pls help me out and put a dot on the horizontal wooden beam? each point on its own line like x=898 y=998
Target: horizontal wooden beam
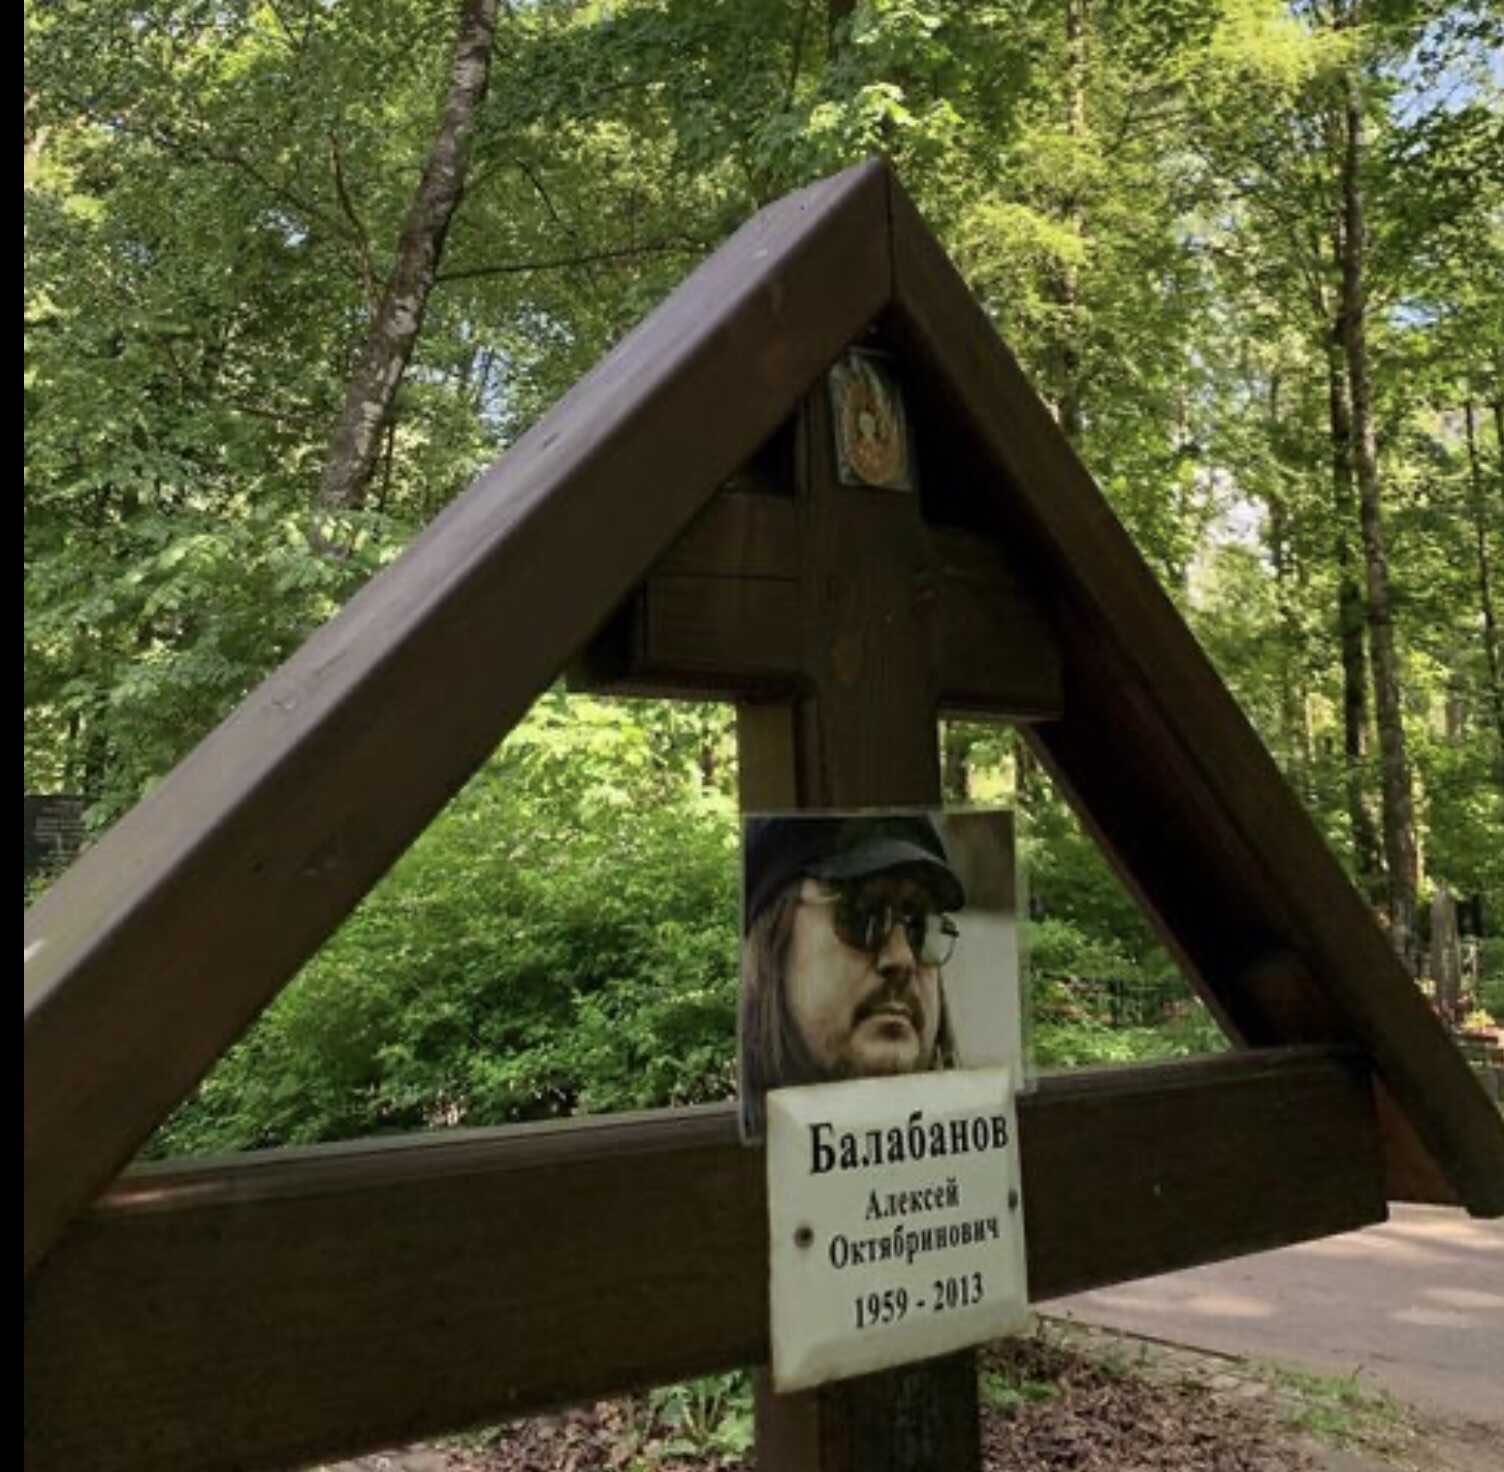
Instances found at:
x=720 y=614
x=299 y=1304
x=739 y=534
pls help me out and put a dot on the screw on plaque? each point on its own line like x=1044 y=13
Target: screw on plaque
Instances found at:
x=803 y=1237
x=1013 y=1200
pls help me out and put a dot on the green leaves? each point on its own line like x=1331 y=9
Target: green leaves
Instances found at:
x=564 y=938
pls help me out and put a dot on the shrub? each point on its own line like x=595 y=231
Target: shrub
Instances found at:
x=562 y=939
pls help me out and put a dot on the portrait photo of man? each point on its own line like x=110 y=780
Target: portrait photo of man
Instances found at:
x=849 y=922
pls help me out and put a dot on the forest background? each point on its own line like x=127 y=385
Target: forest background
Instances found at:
x=296 y=270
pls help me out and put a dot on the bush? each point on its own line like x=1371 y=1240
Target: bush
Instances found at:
x=562 y=939
x=1061 y=950
x=1091 y=1044
x=1092 y=1004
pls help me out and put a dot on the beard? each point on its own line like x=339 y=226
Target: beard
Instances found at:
x=886 y=1037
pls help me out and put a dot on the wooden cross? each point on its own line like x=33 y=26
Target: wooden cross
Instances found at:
x=840 y=621
x=844 y=624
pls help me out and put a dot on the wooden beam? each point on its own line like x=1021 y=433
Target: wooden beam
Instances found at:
x=997 y=655
x=297 y=1304
x=155 y=951
x=739 y=534
x=721 y=614
x=1243 y=849
x=1260 y=1149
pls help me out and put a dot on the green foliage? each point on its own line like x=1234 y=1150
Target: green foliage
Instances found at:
x=562 y=939
x=1491 y=976
x=1101 y=989
x=1009 y=1393
x=709 y=1416
x=1090 y=1044
x=1058 y=951
x=1090 y=925
x=1339 y=1410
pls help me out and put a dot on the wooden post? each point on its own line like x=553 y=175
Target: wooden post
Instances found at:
x=864 y=735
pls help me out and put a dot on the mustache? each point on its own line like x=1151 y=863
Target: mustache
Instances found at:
x=887 y=999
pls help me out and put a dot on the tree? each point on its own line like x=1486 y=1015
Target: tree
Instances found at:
x=1400 y=858
x=398 y=320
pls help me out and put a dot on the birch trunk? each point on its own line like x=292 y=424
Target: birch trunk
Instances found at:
x=394 y=331
x=1068 y=284
x=1479 y=506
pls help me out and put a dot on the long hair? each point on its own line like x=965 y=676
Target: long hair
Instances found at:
x=772 y=1051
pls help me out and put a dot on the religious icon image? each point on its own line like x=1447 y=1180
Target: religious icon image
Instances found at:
x=869 y=940
x=871 y=428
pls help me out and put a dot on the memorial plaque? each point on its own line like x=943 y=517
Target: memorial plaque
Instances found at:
x=896 y=1222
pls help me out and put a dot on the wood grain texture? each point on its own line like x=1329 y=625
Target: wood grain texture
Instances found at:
x=766 y=746
x=739 y=535
x=741 y=631
x=718 y=613
x=868 y=597
x=864 y=736
x=1223 y=830
x=996 y=654
x=721 y=614
x=155 y=951
x=1254 y=1145
x=305 y=1303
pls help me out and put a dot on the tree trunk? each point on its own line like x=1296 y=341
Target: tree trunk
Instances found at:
x=1478 y=500
x=1026 y=774
x=1291 y=686
x=72 y=757
x=1292 y=691
x=1446 y=955
x=1350 y=626
x=1067 y=386
x=399 y=319
x=955 y=772
x=1398 y=809
x=1496 y=403
x=96 y=754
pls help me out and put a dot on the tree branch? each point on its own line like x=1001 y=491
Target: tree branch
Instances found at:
x=362 y=237
x=588 y=258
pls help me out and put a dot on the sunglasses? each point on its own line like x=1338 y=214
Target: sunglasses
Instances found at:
x=864 y=920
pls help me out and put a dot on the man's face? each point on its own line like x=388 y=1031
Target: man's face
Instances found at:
x=861 y=1013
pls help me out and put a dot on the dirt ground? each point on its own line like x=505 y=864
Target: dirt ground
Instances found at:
x=1069 y=1398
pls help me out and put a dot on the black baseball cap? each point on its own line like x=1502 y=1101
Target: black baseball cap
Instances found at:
x=777 y=850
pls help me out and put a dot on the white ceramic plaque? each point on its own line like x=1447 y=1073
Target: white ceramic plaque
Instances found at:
x=896 y=1221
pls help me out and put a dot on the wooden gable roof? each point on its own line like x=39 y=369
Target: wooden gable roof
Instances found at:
x=156 y=950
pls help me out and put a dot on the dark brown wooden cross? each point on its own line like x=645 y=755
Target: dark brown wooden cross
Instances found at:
x=843 y=624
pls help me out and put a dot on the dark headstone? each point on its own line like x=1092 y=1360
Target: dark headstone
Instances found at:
x=54 y=831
